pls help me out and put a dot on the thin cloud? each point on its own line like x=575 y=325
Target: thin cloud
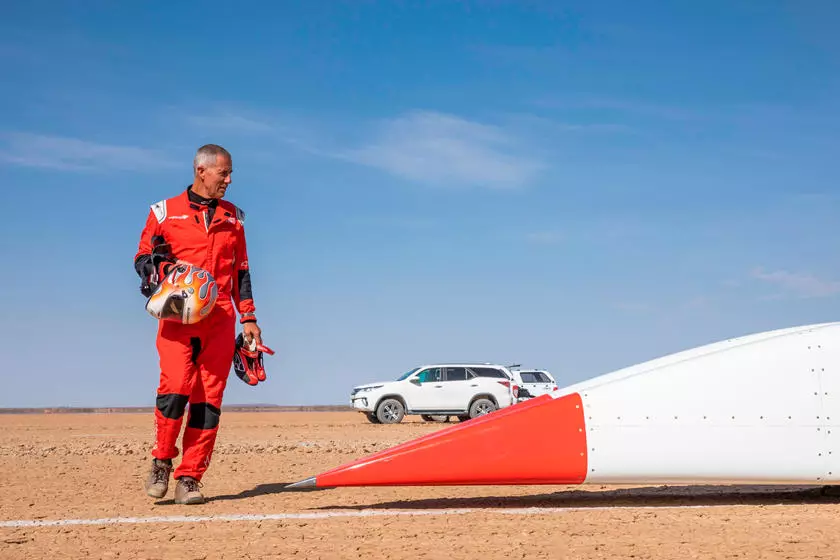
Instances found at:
x=802 y=285
x=73 y=154
x=272 y=128
x=440 y=149
x=544 y=125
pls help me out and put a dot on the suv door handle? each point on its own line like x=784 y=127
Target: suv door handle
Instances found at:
x=474 y=385
x=438 y=386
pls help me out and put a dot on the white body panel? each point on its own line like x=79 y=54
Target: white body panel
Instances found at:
x=423 y=397
x=762 y=408
x=459 y=393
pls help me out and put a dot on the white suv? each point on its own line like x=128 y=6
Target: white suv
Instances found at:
x=465 y=390
x=533 y=383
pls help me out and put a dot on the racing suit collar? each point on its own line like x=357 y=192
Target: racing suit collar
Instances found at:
x=198 y=199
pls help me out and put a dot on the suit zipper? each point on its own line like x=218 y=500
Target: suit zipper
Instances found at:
x=208 y=256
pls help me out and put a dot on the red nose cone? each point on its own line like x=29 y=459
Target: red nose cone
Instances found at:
x=539 y=441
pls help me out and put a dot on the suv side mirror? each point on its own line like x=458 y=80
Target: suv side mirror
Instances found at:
x=415 y=380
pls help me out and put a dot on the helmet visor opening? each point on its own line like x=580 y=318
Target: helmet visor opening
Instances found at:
x=174 y=307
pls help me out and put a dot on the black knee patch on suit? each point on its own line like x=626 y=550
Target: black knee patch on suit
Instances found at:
x=172 y=405
x=195 y=343
x=203 y=416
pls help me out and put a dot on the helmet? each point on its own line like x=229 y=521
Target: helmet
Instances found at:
x=186 y=295
x=248 y=360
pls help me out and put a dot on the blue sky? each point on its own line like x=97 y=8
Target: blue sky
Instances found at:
x=578 y=187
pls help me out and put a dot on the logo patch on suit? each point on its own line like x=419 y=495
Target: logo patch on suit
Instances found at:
x=159 y=209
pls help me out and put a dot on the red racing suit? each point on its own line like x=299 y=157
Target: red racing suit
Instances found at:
x=195 y=360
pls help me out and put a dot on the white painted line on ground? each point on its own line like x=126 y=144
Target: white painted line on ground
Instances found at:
x=337 y=514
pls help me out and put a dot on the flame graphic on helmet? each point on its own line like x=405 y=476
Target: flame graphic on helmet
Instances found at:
x=194 y=289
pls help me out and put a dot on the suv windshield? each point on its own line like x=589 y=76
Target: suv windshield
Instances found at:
x=406 y=374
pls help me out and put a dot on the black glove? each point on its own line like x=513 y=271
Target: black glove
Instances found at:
x=149 y=266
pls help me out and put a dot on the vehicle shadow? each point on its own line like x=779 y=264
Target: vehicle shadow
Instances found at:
x=646 y=497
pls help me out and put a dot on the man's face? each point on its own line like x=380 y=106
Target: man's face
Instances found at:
x=216 y=178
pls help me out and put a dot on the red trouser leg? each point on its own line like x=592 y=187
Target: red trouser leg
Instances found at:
x=177 y=346
x=214 y=362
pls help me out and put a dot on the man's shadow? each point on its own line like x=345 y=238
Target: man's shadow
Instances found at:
x=258 y=490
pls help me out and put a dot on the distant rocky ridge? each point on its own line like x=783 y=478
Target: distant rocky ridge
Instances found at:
x=149 y=409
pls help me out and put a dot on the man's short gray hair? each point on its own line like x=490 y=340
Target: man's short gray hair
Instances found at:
x=207 y=154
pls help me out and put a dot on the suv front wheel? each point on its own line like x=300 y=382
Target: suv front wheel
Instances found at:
x=482 y=406
x=390 y=411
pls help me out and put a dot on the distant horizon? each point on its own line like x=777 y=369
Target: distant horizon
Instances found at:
x=278 y=408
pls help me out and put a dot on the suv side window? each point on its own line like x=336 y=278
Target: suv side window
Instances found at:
x=489 y=372
x=430 y=375
x=456 y=374
x=530 y=377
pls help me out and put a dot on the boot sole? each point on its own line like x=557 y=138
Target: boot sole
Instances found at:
x=190 y=501
x=156 y=493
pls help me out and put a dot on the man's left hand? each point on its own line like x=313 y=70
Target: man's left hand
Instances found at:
x=252 y=332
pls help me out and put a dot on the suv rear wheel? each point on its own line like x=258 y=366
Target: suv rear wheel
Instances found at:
x=480 y=407
x=390 y=411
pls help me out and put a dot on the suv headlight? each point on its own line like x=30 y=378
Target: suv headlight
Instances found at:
x=365 y=389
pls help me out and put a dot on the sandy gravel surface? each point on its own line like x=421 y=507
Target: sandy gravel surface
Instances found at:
x=91 y=467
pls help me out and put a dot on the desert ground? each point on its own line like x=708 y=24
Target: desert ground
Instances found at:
x=80 y=476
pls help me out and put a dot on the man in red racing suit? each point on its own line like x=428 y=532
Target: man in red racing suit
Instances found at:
x=195 y=360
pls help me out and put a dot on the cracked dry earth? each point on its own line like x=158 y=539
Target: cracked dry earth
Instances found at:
x=91 y=467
